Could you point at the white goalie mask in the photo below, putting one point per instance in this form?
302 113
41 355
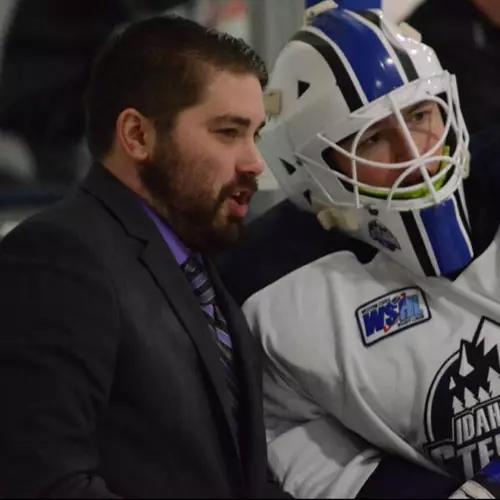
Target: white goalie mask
339 78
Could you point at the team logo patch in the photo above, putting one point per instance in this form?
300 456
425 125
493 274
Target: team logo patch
462 411
392 314
383 236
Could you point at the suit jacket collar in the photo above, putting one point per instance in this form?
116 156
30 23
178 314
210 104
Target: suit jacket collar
120 200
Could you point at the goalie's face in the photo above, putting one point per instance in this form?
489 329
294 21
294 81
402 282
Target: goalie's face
385 142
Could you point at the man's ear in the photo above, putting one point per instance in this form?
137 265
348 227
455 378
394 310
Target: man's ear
136 135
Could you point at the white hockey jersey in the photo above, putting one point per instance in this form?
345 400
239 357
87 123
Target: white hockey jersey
409 364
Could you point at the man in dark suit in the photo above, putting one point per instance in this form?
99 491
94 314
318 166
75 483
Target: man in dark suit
125 367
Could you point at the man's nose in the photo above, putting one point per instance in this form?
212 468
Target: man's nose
403 152
251 162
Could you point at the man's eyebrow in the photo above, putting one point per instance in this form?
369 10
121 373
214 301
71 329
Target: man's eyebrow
241 121
419 105
376 126
371 130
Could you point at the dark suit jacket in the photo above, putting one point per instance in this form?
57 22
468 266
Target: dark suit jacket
110 381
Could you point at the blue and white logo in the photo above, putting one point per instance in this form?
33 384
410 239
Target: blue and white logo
392 313
379 233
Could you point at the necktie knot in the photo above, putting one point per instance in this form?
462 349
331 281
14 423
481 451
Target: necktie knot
199 281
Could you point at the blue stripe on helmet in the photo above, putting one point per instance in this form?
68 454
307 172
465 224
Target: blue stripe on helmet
364 50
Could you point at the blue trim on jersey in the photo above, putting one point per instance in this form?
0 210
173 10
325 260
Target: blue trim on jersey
447 237
363 49
492 470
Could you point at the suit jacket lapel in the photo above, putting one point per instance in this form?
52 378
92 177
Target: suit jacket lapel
126 206
160 261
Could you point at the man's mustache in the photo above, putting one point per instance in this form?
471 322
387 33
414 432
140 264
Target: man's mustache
242 183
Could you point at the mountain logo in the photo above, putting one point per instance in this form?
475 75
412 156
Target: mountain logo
462 411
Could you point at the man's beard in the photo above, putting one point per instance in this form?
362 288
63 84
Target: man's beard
180 190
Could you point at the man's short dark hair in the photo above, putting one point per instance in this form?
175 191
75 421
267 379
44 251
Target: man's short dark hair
159 66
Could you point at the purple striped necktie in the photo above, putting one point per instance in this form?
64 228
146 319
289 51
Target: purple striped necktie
205 293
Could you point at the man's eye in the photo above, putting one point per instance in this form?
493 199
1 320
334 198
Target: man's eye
372 140
228 132
419 116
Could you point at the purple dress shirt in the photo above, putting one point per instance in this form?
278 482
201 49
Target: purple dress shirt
178 249
181 253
